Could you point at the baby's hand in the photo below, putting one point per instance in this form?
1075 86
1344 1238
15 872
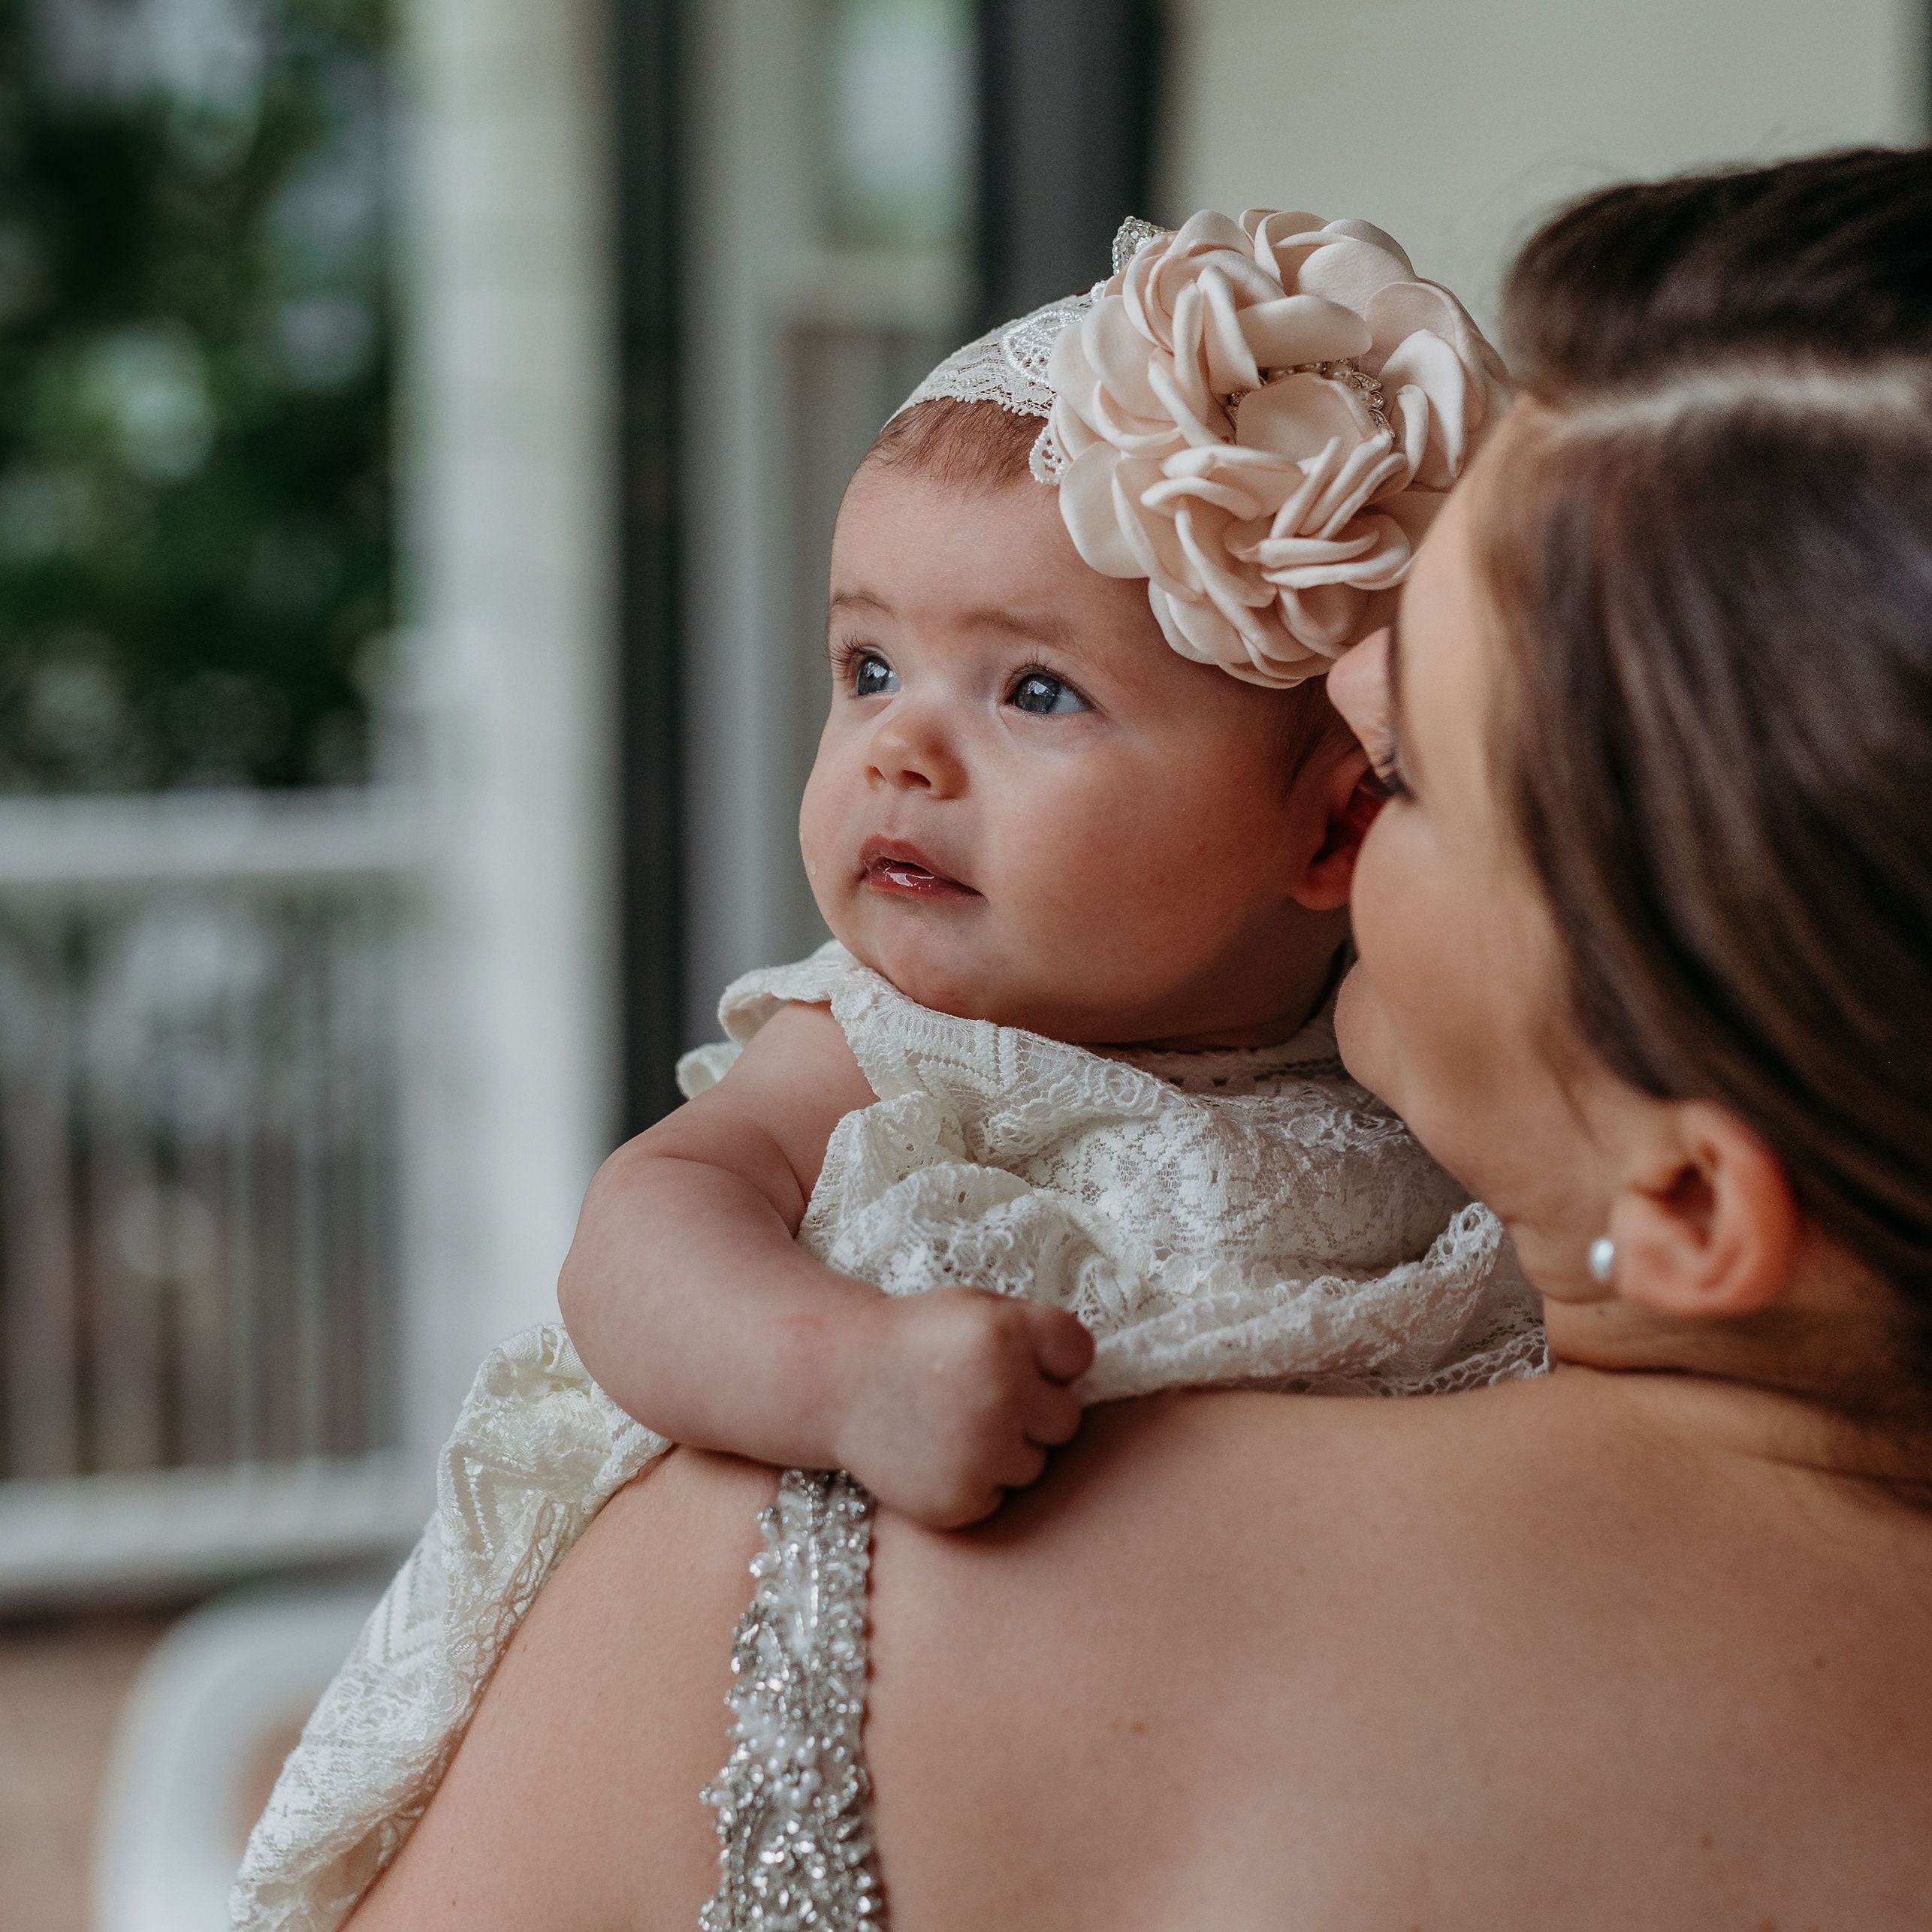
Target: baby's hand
962 1394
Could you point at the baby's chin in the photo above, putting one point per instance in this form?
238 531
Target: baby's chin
947 963
942 971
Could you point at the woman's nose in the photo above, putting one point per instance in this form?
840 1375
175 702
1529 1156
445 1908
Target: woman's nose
912 750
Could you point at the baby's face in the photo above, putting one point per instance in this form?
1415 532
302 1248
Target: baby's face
1026 807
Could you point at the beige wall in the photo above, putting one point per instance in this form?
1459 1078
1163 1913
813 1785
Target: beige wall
1454 123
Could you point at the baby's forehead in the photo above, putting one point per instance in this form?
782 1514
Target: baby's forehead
910 545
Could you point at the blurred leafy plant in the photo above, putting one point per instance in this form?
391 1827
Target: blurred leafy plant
196 564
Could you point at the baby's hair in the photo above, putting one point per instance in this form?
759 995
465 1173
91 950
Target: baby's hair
981 446
966 446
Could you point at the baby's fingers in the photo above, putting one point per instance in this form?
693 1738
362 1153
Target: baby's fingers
1022 1467
1052 1415
1062 1347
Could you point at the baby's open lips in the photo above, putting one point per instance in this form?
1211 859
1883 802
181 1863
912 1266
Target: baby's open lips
893 866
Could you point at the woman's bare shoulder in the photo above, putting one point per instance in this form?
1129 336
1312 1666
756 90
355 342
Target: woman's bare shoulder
1238 1654
1247 1657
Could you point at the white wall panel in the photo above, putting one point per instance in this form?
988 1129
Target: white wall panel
510 450
1455 123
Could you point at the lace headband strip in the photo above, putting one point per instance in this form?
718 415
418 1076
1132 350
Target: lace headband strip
1261 418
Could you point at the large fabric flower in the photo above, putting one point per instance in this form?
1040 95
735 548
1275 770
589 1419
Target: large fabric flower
1262 418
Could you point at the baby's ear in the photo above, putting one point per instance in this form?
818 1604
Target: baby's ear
1334 808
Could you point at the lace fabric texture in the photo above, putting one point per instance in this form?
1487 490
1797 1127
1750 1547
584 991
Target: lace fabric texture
1253 1219
794 1853
537 1450
1223 1218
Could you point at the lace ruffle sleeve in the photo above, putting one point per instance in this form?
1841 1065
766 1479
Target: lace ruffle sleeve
537 1449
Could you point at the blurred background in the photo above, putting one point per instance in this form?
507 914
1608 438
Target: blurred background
421 426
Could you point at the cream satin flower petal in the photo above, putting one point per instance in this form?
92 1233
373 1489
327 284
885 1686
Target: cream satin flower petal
1264 224
1202 532
1205 633
1349 271
1283 560
1264 227
1367 231
1208 229
1425 361
1222 490
1303 328
1070 373
1152 282
1158 554
1155 436
1299 416
1368 470
1408 413
1190 400
1397 310
1229 361
1203 431
1087 508
1113 354
1167 615
1372 553
1075 438
1284 242
1325 619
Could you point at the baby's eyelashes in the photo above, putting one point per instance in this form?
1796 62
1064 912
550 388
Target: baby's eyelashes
863 672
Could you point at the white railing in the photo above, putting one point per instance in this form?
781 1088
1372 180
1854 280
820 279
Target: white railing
206 1061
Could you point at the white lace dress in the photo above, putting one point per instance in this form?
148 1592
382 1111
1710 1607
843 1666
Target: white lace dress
1240 1217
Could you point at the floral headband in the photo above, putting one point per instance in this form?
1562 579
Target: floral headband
1261 418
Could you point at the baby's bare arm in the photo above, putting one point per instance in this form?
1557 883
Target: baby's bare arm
692 1305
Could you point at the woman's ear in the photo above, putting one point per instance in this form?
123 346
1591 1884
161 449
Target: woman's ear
1336 807
1707 1229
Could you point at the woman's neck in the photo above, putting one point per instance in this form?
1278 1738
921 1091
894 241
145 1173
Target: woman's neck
1810 1383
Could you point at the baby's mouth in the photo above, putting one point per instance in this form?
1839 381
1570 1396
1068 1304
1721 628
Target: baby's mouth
893 866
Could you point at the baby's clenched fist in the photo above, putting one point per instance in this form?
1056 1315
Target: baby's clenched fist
957 1396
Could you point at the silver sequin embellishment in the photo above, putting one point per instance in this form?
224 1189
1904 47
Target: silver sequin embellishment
795 1851
1130 236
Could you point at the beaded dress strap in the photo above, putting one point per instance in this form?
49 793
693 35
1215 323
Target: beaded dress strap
794 1849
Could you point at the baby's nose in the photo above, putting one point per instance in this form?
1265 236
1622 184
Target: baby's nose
913 750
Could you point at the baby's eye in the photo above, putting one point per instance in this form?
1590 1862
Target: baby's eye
873 677
1045 696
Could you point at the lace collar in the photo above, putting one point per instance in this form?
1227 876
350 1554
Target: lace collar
1311 1054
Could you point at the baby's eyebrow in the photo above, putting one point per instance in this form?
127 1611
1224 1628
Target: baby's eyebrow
860 600
1039 627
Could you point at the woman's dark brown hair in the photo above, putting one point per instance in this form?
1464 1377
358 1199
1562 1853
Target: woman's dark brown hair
1711 554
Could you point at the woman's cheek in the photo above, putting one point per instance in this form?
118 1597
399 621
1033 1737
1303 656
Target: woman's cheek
1389 1017
1362 1032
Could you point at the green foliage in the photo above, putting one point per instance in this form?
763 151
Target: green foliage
195 554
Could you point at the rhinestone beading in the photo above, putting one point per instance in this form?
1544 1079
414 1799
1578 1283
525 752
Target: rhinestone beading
1130 237
794 1852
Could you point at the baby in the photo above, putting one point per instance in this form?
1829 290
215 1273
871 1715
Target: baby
1063 1088
1066 1069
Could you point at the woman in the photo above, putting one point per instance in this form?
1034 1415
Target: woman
1646 938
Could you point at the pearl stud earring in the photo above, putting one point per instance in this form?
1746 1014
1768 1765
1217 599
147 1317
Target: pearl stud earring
1603 1259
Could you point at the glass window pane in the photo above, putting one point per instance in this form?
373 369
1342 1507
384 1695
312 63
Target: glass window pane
196 555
